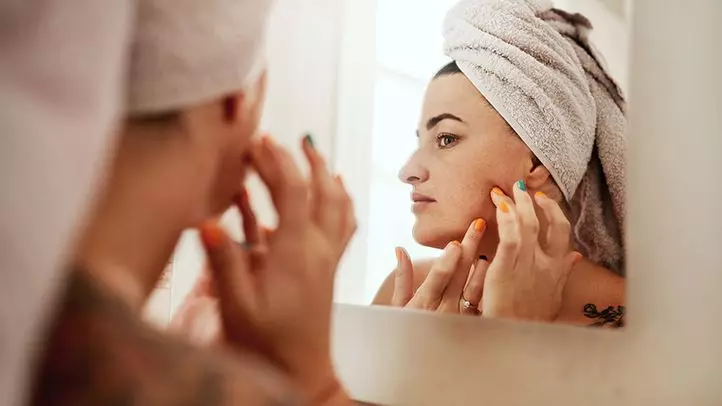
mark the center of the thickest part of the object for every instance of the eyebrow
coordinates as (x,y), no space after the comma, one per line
(433,121)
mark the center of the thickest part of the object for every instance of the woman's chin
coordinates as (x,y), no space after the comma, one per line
(432,237)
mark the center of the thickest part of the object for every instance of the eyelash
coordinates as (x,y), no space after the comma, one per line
(442,136)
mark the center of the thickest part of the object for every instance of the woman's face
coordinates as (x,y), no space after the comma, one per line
(465,149)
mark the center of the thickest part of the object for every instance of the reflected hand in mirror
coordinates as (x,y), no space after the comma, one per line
(452,285)
(526,279)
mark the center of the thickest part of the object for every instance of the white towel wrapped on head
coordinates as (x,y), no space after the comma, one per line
(536,67)
(189,51)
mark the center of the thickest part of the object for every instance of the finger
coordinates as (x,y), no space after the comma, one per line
(509,236)
(231,272)
(431,291)
(249,221)
(288,191)
(349,222)
(474,289)
(297,187)
(528,225)
(327,196)
(403,279)
(559,229)
(254,245)
(469,249)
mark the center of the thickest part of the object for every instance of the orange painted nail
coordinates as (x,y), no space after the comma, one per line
(479,224)
(540,194)
(503,207)
(456,242)
(398,254)
(211,234)
(498,191)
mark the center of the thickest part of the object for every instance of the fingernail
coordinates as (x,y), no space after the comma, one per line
(455,242)
(211,234)
(521,185)
(503,207)
(483,257)
(338,179)
(498,191)
(398,255)
(578,258)
(309,139)
(479,224)
(540,195)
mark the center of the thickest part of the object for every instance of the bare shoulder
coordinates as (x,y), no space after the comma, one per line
(386,291)
(591,285)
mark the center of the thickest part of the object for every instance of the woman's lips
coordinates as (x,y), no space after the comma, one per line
(421,202)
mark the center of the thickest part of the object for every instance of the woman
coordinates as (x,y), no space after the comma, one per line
(524,110)
(196,90)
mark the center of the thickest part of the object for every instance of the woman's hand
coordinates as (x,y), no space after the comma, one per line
(275,293)
(526,279)
(452,285)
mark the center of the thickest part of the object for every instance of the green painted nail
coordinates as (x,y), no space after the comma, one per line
(522,185)
(309,139)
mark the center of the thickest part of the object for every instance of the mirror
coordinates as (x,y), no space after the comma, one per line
(364,92)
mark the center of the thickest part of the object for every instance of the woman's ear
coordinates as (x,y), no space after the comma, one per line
(245,104)
(233,107)
(538,176)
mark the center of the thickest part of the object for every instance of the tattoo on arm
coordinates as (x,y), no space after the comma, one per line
(99,352)
(610,317)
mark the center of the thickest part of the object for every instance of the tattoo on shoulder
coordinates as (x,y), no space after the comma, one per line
(99,352)
(612,316)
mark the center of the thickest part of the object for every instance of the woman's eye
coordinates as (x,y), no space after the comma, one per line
(446,140)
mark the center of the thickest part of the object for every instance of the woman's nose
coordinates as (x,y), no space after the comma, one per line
(413,172)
